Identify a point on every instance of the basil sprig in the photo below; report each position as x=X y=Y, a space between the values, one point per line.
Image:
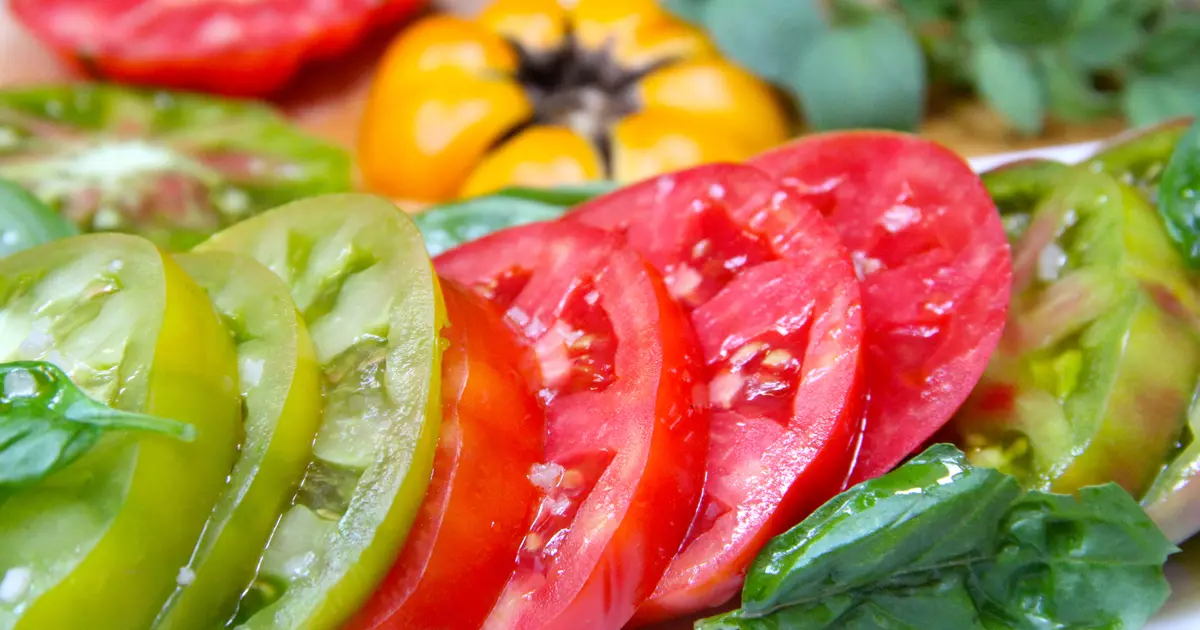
x=938 y=544
x=452 y=224
x=1179 y=196
x=47 y=422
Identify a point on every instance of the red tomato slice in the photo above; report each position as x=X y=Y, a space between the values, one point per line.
x=479 y=502
x=231 y=47
x=626 y=427
x=934 y=265
x=775 y=304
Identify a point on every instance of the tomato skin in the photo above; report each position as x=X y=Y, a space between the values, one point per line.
x=779 y=266
x=480 y=499
x=105 y=537
x=935 y=270
x=373 y=454
x=646 y=426
x=253 y=64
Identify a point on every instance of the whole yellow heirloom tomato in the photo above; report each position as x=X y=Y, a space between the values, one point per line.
x=552 y=92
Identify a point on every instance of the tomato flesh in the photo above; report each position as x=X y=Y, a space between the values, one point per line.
x=930 y=252
x=616 y=365
x=226 y=46
x=480 y=499
x=775 y=305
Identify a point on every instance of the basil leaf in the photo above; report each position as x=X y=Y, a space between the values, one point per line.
x=27 y=222
x=1091 y=561
x=561 y=195
x=938 y=544
x=931 y=511
x=47 y=422
x=450 y=225
x=1179 y=196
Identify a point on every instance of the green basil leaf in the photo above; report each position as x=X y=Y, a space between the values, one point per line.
x=769 y=39
x=27 y=222
x=47 y=422
x=1093 y=561
x=560 y=195
x=940 y=545
x=869 y=73
x=1150 y=99
x=933 y=510
x=1007 y=81
x=452 y=224
x=1179 y=196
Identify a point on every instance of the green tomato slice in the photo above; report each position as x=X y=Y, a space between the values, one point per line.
x=1018 y=188
x=1140 y=157
x=358 y=271
x=1094 y=373
x=280 y=388
x=174 y=167
x=1174 y=499
x=100 y=543
x=26 y=222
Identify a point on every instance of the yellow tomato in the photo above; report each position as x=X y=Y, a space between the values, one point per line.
x=548 y=92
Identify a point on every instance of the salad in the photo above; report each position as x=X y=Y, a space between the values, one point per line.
x=845 y=384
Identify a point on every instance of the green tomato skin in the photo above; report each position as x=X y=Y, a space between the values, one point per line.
x=280 y=385
x=1139 y=158
x=171 y=166
x=1096 y=368
x=1018 y=188
x=103 y=539
x=358 y=271
x=26 y=222
x=1174 y=499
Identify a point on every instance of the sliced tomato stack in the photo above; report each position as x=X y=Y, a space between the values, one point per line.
x=617 y=368
x=717 y=352
x=775 y=304
x=935 y=270
x=477 y=507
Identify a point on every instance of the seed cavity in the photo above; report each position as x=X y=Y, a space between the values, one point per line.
x=20 y=384
x=15 y=584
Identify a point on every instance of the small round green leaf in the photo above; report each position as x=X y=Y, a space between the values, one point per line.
x=769 y=39
x=1150 y=99
x=865 y=74
x=1007 y=81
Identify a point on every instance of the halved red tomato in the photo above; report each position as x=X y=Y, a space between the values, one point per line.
x=775 y=304
x=930 y=253
x=224 y=46
x=616 y=364
x=480 y=499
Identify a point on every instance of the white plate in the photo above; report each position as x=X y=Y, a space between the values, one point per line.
x=1182 y=612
